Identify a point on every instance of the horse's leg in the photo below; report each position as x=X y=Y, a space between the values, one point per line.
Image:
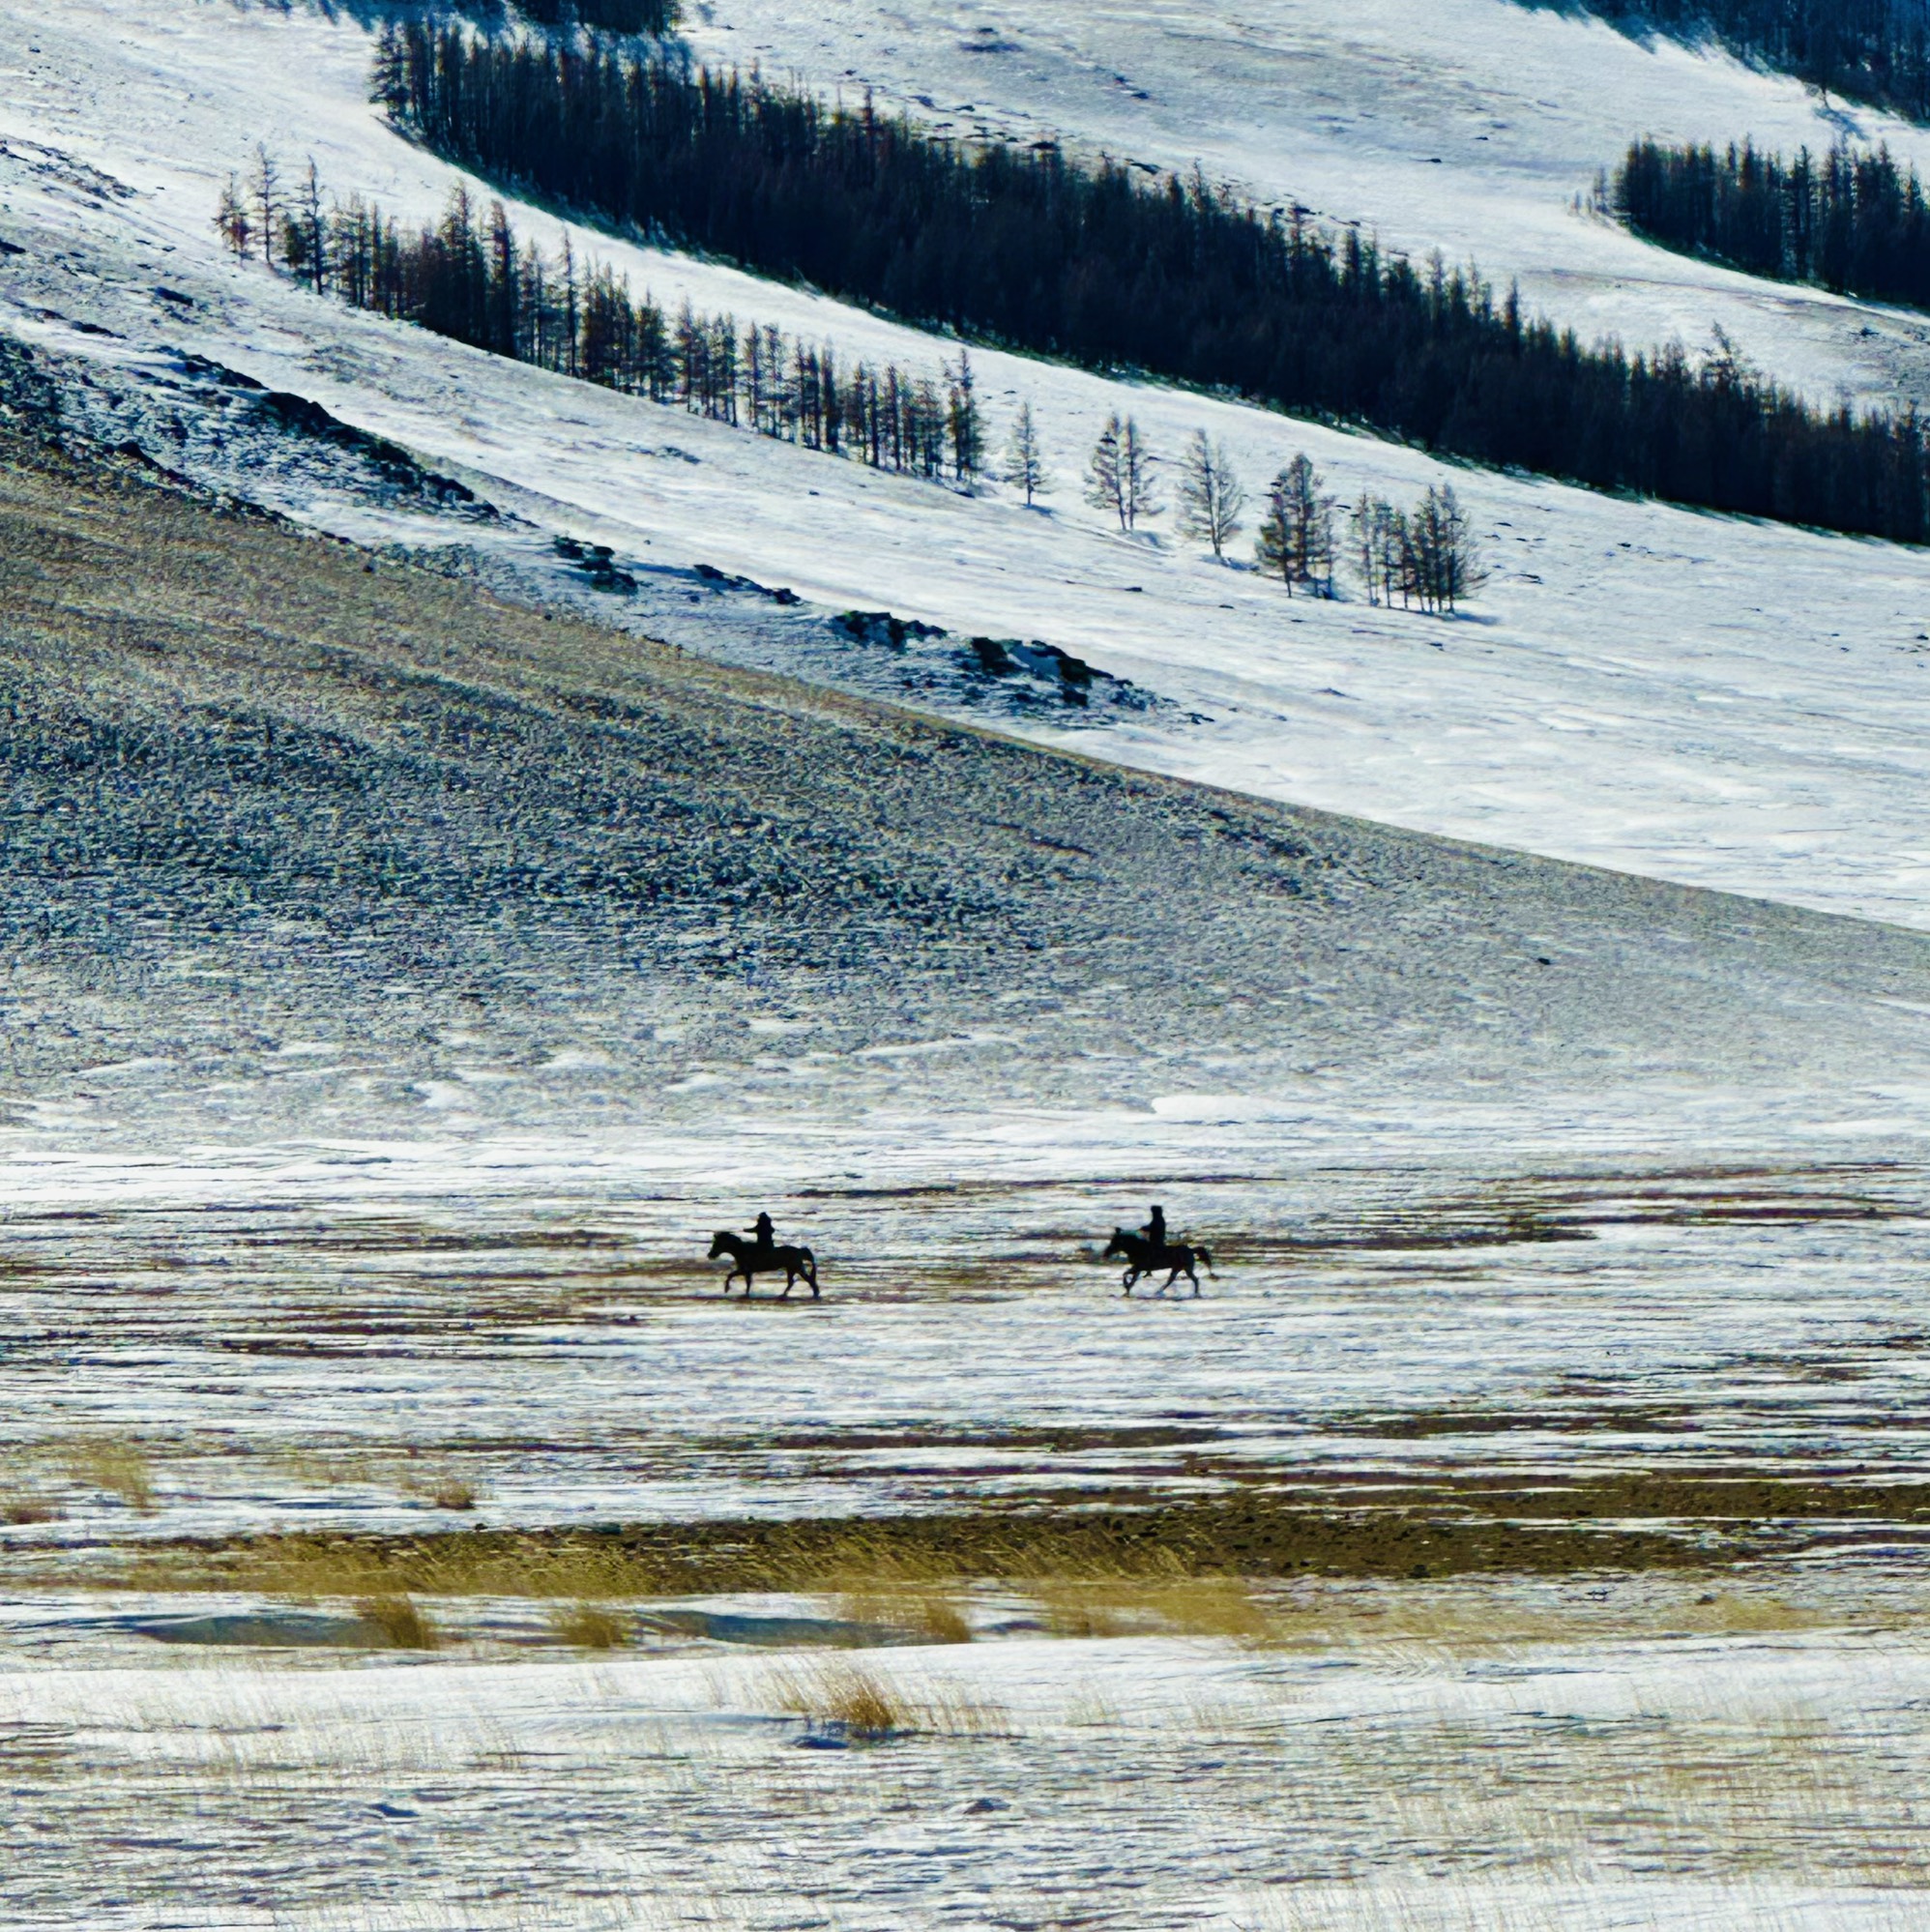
x=790 y=1283
x=1193 y=1278
x=1130 y=1275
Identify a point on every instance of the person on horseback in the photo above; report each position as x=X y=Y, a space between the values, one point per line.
x=767 y=1235
x=1154 y=1230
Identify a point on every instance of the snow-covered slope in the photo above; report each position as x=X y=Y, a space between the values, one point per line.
x=1470 y=125
x=1677 y=694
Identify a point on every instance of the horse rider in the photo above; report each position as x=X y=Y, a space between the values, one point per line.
x=767 y=1235
x=1154 y=1230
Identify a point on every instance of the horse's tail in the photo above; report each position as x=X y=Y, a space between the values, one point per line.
x=808 y=1266
x=1207 y=1259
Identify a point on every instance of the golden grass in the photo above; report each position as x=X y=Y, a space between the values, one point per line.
x=589 y=1626
x=402 y=1624
x=933 y=1616
x=17 y=1511
x=868 y=1704
x=117 y=1466
x=332 y=1469
x=876 y=1570
x=913 y=1566
x=1194 y=1606
x=1073 y=1608
x=423 y=1482
x=842 y=1698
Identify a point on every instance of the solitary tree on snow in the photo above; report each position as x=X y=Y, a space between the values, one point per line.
x=1211 y=498
x=1024 y=460
x=231 y=218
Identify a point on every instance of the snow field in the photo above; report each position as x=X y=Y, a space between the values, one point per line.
x=1035 y=1781
x=567 y=1358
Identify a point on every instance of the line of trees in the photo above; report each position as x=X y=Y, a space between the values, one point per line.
x=1427 y=557
x=1104 y=267
x=472 y=280
x=470 y=277
x=1854 y=223
x=1873 y=50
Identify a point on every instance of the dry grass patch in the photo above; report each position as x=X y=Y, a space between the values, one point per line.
x=1192 y=1606
x=932 y=1615
x=420 y=1480
x=1451 y=1529
x=589 y=1626
x=116 y=1466
x=840 y=1698
x=845 y=1699
x=400 y=1621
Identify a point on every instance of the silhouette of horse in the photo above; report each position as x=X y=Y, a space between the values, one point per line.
x=749 y=1259
x=1145 y=1257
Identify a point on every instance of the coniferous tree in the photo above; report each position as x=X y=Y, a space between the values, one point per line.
x=231 y=218
x=1381 y=551
x=266 y=189
x=1211 y=498
x=1138 y=476
x=962 y=421
x=1025 y=459
x=1297 y=539
x=1103 y=491
x=388 y=80
x=1443 y=563
x=1273 y=542
x=305 y=232
x=1312 y=524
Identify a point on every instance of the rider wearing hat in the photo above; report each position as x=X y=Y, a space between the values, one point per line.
x=1154 y=1230
x=767 y=1235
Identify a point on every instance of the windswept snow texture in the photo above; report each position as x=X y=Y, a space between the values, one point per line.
x=1700 y=700
x=1444 y=1779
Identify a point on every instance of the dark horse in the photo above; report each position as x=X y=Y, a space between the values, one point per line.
x=747 y=1258
x=1145 y=1257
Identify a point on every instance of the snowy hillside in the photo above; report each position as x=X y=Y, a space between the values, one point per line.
x=1645 y=688
x=1467 y=126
